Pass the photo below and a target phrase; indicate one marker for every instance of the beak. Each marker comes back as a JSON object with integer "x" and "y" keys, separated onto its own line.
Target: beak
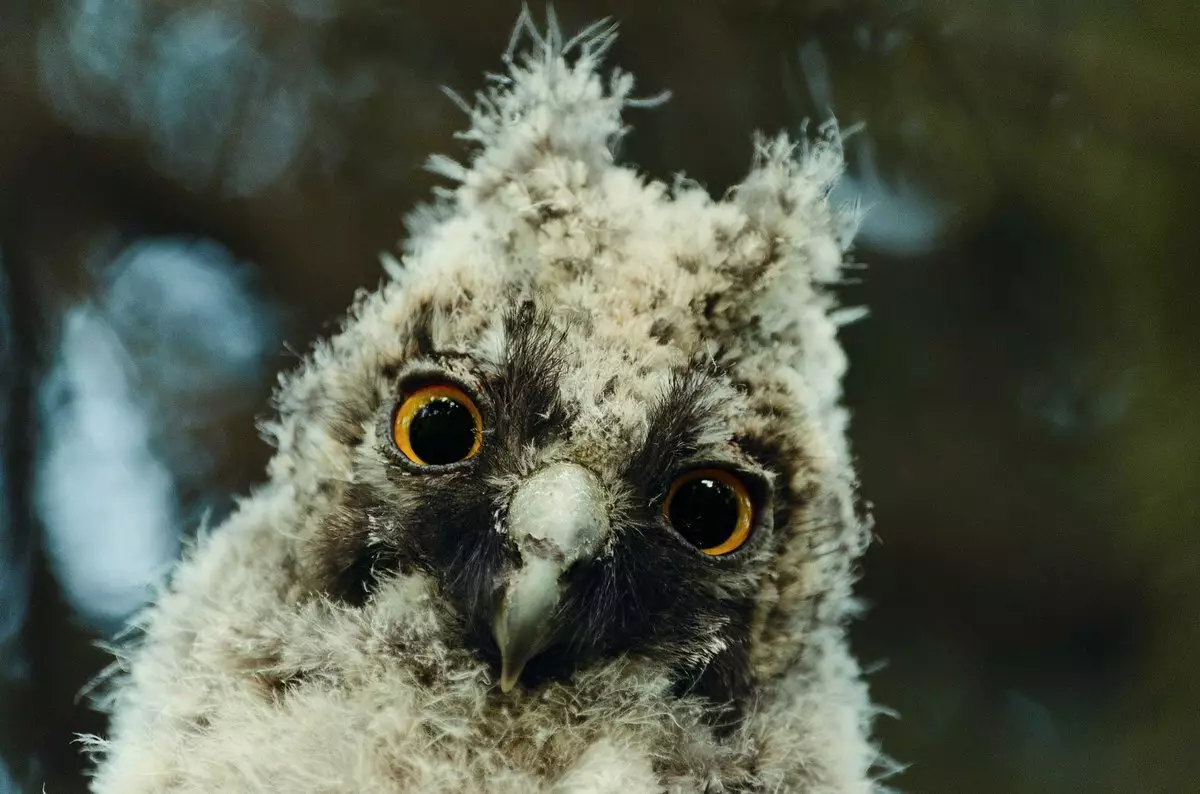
{"x": 556, "y": 518}
{"x": 523, "y": 623}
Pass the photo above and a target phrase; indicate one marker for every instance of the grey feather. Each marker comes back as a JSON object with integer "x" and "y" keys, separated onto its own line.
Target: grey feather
{"x": 333, "y": 634}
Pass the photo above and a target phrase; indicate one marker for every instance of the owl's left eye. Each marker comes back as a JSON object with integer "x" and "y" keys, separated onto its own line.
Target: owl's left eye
{"x": 711, "y": 509}
{"x": 438, "y": 425}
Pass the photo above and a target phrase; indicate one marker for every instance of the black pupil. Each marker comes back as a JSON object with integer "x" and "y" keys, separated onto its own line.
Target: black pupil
{"x": 704, "y": 511}
{"x": 442, "y": 431}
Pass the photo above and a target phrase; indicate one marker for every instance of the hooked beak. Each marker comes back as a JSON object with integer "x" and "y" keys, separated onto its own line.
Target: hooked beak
{"x": 523, "y": 623}
{"x": 555, "y": 519}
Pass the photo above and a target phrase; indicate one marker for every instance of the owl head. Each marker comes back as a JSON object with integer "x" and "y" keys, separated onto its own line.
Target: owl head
{"x": 597, "y": 419}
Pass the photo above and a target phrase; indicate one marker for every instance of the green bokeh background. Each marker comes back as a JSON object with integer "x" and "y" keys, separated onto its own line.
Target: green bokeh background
{"x": 1024, "y": 389}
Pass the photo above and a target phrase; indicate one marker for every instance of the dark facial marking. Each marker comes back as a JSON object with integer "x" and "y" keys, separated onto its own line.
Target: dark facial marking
{"x": 526, "y": 393}
{"x": 444, "y": 528}
{"x": 673, "y": 429}
{"x": 348, "y": 565}
{"x": 421, "y": 330}
{"x": 650, "y": 598}
{"x": 358, "y": 404}
{"x": 726, "y": 681}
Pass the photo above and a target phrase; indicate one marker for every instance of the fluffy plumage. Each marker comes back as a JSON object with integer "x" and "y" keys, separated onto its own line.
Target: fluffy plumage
{"x": 333, "y": 634}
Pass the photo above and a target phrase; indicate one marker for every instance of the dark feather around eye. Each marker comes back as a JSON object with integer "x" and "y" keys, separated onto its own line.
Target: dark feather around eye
{"x": 421, "y": 330}
{"x": 726, "y": 682}
{"x": 350, "y": 566}
{"x": 527, "y": 393}
{"x": 674, "y": 428}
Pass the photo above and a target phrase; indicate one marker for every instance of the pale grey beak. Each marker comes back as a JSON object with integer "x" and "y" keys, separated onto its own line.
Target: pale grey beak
{"x": 523, "y": 621}
{"x": 556, "y": 518}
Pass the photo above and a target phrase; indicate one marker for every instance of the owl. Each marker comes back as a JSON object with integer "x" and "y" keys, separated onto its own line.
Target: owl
{"x": 566, "y": 505}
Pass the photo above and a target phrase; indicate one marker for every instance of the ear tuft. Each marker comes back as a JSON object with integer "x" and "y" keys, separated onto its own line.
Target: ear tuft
{"x": 549, "y": 110}
{"x": 786, "y": 195}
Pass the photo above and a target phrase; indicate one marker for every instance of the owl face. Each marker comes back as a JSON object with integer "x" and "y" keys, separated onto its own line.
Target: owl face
{"x": 598, "y": 414}
{"x": 574, "y": 497}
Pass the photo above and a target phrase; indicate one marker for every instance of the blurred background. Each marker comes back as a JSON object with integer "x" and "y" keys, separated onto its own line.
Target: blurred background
{"x": 191, "y": 190}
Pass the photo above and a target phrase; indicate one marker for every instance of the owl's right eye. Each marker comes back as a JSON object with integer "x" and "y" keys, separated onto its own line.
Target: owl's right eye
{"x": 438, "y": 425}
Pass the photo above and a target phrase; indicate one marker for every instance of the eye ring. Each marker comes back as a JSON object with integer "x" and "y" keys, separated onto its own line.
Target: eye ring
{"x": 737, "y": 498}
{"x": 448, "y": 439}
